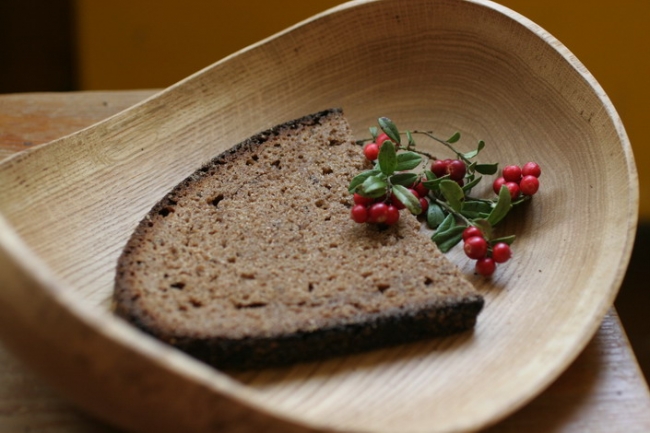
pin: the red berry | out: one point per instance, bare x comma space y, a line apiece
421, 189
359, 213
424, 204
512, 173
529, 185
486, 266
359, 199
392, 215
498, 183
395, 202
377, 213
531, 169
371, 151
456, 169
439, 167
472, 231
475, 247
501, 252
513, 187
381, 138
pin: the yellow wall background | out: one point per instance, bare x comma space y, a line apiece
125, 44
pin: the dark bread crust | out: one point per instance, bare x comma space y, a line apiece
181, 279
321, 344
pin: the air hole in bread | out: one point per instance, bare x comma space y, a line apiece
165, 211
215, 201
382, 287
178, 286
428, 281
196, 303
253, 159
251, 305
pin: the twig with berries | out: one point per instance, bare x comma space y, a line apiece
404, 177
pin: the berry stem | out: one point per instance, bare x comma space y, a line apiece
444, 143
443, 204
418, 151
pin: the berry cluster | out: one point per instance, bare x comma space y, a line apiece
519, 180
384, 210
487, 254
454, 168
373, 211
439, 190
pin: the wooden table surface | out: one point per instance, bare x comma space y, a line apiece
603, 391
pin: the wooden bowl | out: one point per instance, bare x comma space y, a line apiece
446, 65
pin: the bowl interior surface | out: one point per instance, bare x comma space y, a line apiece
442, 65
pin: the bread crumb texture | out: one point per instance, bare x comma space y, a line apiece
254, 260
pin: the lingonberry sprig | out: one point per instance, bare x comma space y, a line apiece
404, 177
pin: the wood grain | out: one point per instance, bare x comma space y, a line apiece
28, 122
68, 207
602, 391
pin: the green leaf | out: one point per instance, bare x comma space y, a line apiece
433, 185
406, 179
387, 158
507, 239
411, 141
374, 186
454, 138
360, 178
390, 129
446, 224
471, 184
477, 206
408, 161
407, 198
453, 193
475, 209
502, 207
435, 216
487, 169
473, 153
447, 239
373, 132
429, 175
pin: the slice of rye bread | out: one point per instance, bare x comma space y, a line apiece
254, 261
